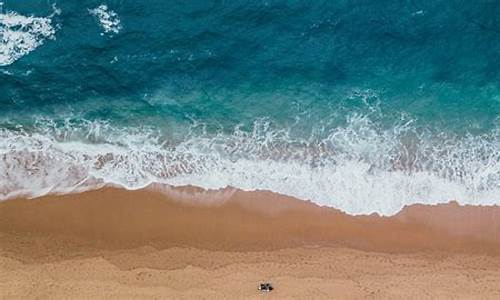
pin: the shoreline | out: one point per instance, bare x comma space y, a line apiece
166, 217
149, 243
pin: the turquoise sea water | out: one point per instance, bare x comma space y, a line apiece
361, 105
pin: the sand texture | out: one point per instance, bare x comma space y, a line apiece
161, 243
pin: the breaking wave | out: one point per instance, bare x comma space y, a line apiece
359, 168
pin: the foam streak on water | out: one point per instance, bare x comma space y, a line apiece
19, 35
358, 168
107, 19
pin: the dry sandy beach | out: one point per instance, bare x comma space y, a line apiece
160, 243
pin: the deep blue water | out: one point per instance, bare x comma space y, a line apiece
362, 105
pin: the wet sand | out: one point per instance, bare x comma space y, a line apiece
163, 242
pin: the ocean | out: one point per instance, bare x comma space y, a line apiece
365, 106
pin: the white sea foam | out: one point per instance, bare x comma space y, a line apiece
357, 168
19, 35
108, 19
